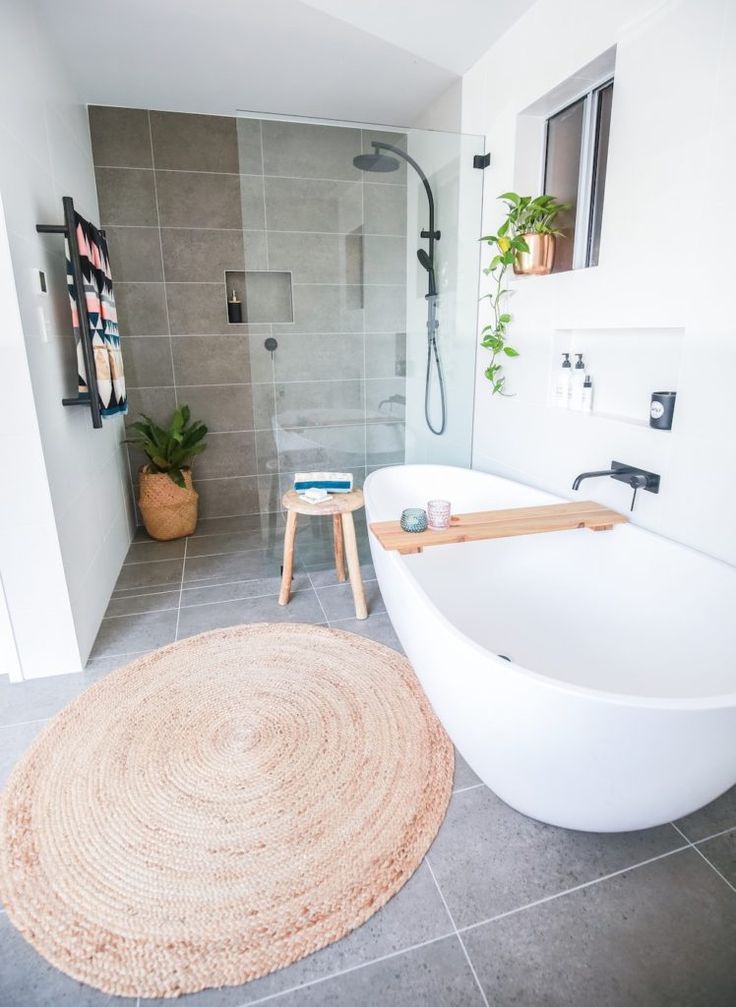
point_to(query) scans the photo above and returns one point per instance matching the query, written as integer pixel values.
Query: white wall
(660, 303)
(64, 523)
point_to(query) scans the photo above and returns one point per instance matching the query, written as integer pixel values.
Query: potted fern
(167, 500)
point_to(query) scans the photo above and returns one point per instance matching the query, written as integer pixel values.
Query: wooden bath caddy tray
(500, 524)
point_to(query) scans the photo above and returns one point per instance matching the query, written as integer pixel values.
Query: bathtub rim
(719, 701)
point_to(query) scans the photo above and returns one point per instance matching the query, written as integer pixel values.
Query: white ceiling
(380, 61)
(452, 34)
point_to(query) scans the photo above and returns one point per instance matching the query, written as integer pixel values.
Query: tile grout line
(457, 933)
(227, 583)
(346, 971)
(569, 891)
(472, 786)
(209, 604)
(161, 251)
(239, 174)
(363, 286)
(181, 590)
(295, 283)
(25, 723)
(257, 230)
(700, 853)
(319, 600)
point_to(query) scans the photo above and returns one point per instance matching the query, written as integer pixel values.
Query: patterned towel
(103, 320)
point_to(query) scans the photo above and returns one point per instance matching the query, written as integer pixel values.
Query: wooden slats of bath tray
(500, 524)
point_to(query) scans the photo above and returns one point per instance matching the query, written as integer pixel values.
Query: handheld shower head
(424, 259)
(428, 264)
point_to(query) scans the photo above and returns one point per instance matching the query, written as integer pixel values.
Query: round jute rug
(222, 807)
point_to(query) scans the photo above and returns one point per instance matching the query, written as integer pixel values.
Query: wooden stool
(340, 506)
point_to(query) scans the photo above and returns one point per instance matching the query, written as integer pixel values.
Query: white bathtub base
(569, 756)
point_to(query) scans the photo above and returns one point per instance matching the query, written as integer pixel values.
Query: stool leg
(338, 546)
(356, 581)
(288, 570)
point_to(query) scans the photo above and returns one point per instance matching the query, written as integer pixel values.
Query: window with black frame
(575, 161)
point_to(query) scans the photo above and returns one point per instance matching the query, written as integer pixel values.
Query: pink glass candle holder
(438, 514)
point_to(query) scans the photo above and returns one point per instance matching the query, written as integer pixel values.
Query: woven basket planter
(168, 511)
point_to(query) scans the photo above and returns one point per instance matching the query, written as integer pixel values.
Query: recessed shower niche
(264, 296)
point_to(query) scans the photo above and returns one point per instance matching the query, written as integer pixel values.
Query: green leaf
(170, 449)
(511, 197)
(505, 319)
(510, 351)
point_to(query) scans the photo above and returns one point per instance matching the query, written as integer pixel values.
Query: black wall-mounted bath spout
(638, 479)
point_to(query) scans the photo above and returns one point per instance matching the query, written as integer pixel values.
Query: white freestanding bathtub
(617, 708)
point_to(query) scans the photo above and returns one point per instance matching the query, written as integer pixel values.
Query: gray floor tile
(303, 607)
(14, 740)
(721, 852)
(338, 601)
(437, 974)
(240, 541)
(134, 633)
(714, 817)
(255, 564)
(27, 979)
(134, 604)
(489, 859)
(266, 587)
(414, 915)
(98, 667)
(248, 522)
(377, 627)
(148, 550)
(328, 577)
(659, 936)
(38, 698)
(160, 573)
(464, 775)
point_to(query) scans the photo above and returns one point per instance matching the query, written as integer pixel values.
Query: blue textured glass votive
(414, 519)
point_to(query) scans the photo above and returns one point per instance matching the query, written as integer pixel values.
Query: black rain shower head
(375, 162)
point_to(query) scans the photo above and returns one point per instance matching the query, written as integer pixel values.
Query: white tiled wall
(665, 265)
(64, 522)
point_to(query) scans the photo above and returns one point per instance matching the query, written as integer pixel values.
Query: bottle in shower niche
(577, 382)
(234, 309)
(587, 400)
(562, 382)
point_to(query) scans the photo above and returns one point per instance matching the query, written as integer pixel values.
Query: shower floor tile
(504, 910)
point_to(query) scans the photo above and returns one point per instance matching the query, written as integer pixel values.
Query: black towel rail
(68, 228)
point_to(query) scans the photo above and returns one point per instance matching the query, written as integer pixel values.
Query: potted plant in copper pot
(167, 501)
(525, 241)
(532, 219)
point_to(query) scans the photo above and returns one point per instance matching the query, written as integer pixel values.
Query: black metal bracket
(481, 161)
(68, 229)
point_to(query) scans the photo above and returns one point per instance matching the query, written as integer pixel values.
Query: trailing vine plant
(524, 215)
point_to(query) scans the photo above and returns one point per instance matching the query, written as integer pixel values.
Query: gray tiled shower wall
(184, 198)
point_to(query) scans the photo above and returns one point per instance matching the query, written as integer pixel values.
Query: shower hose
(433, 351)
